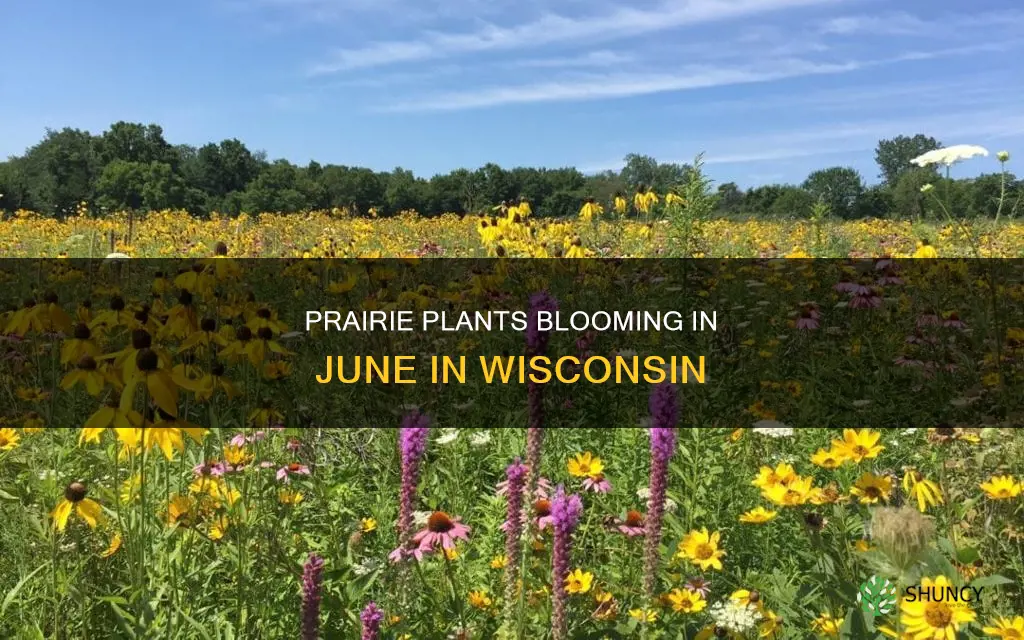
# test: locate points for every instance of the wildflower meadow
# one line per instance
(847, 464)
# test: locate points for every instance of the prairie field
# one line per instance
(182, 532)
(323, 234)
(168, 468)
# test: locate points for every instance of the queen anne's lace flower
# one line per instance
(950, 155)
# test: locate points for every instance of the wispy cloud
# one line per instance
(622, 22)
(592, 59)
(901, 23)
(616, 86)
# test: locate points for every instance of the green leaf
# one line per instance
(9, 598)
(967, 555)
(993, 580)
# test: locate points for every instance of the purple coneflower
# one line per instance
(513, 528)
(441, 530)
(664, 415)
(284, 473)
(633, 524)
(565, 513)
(371, 617)
(597, 483)
(699, 585)
(312, 573)
(412, 443)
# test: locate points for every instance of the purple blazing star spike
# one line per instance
(565, 514)
(412, 443)
(513, 528)
(537, 340)
(664, 414)
(312, 574)
(371, 617)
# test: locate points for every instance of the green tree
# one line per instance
(730, 198)
(893, 155)
(838, 187)
(792, 202)
(61, 171)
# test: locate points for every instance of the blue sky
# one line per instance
(768, 89)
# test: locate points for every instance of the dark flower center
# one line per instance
(146, 360)
(82, 331)
(141, 339)
(440, 522)
(634, 518)
(87, 363)
(75, 492)
(542, 508)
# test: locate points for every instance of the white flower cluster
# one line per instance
(644, 493)
(451, 434)
(735, 616)
(772, 429)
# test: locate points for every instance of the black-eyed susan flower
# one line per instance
(925, 491)
(758, 515)
(686, 601)
(701, 548)
(80, 344)
(938, 616)
(578, 581)
(1002, 488)
(859, 445)
(76, 502)
(872, 489)
(157, 381)
(9, 439)
(1006, 628)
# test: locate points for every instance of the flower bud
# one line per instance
(928, 187)
(1003, 156)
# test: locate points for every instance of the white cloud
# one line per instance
(592, 59)
(616, 86)
(622, 22)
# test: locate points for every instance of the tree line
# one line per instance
(132, 166)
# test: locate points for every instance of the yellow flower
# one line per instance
(796, 493)
(8, 439)
(644, 615)
(479, 599)
(925, 491)
(701, 548)
(499, 562)
(115, 544)
(686, 601)
(871, 488)
(832, 458)
(179, 510)
(585, 465)
(366, 525)
(771, 624)
(1007, 629)
(925, 250)
(826, 625)
(1002, 488)
(288, 496)
(759, 515)
(859, 445)
(935, 618)
(218, 528)
(169, 439)
(783, 474)
(75, 501)
(578, 581)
